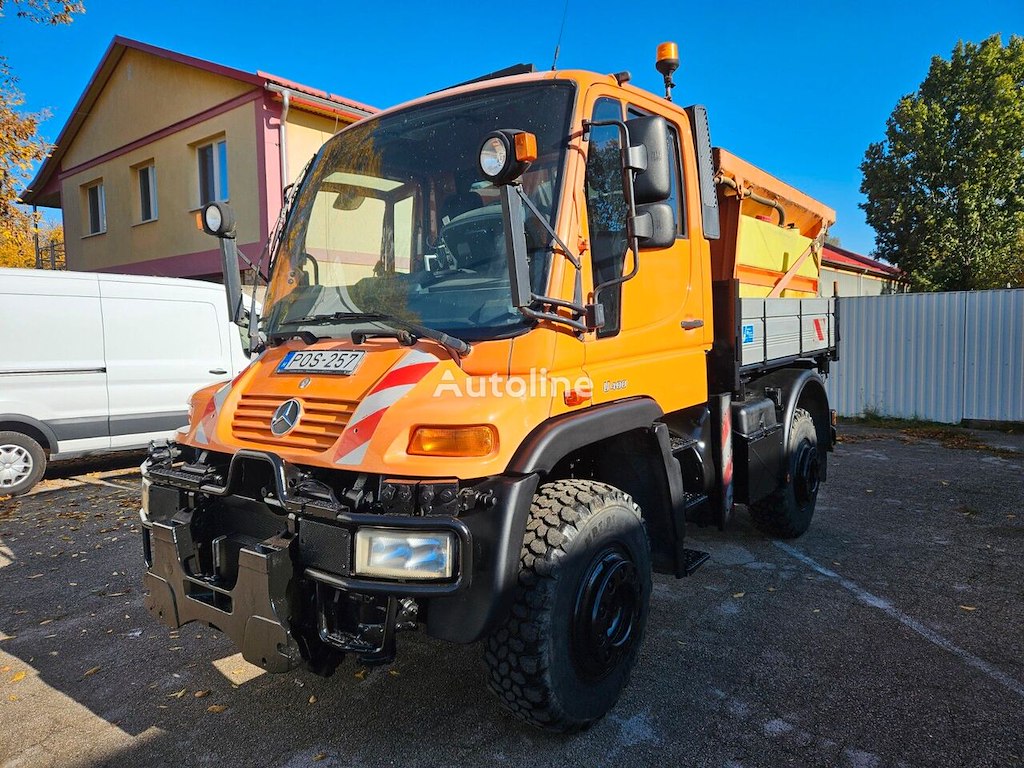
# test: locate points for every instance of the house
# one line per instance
(850, 274)
(155, 136)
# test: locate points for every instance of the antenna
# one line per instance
(561, 29)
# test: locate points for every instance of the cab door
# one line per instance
(658, 324)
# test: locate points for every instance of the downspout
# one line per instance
(283, 129)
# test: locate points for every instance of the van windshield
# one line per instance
(394, 219)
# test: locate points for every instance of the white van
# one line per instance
(98, 362)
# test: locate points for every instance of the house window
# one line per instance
(213, 171)
(96, 205)
(147, 193)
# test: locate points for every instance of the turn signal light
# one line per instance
(526, 147)
(479, 440)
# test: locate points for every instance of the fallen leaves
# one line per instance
(319, 756)
(202, 694)
(361, 674)
(91, 672)
(178, 695)
(216, 708)
(738, 595)
(18, 677)
(312, 699)
(969, 607)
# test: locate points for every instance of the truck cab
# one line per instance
(502, 361)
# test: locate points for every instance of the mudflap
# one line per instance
(254, 612)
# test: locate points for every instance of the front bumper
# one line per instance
(263, 570)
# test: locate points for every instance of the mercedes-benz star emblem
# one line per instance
(285, 417)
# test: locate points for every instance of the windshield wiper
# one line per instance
(457, 347)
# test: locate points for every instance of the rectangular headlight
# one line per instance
(390, 553)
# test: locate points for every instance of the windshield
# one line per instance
(394, 219)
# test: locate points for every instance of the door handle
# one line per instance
(218, 371)
(691, 325)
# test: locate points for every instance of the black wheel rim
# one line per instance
(606, 613)
(807, 477)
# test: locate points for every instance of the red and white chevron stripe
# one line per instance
(402, 377)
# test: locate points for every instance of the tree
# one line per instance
(945, 190)
(21, 147)
(18, 244)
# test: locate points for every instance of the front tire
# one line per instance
(22, 463)
(787, 512)
(566, 650)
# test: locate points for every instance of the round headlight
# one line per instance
(218, 219)
(213, 218)
(493, 157)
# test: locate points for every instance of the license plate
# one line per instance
(341, 361)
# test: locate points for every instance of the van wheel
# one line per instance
(565, 652)
(787, 512)
(22, 463)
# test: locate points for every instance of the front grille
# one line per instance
(319, 427)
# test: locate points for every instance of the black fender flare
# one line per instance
(49, 437)
(556, 438)
(802, 387)
(664, 509)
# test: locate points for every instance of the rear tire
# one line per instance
(22, 463)
(787, 512)
(566, 650)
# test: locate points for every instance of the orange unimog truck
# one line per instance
(516, 334)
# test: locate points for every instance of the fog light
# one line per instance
(395, 554)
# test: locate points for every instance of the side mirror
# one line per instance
(218, 219)
(655, 225)
(653, 181)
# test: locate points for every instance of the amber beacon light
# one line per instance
(667, 63)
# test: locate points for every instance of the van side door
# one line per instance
(163, 342)
(52, 367)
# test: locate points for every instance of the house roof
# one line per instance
(308, 99)
(841, 258)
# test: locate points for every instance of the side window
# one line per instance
(95, 208)
(606, 210)
(675, 199)
(212, 160)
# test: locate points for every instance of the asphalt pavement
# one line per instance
(889, 634)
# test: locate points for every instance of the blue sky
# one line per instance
(798, 88)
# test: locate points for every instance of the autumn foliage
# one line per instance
(21, 147)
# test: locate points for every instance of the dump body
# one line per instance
(766, 268)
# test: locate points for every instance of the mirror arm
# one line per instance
(573, 259)
(552, 317)
(631, 160)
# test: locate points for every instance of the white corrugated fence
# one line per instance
(935, 356)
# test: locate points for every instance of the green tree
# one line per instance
(945, 190)
(21, 147)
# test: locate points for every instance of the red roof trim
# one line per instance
(844, 259)
(112, 56)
